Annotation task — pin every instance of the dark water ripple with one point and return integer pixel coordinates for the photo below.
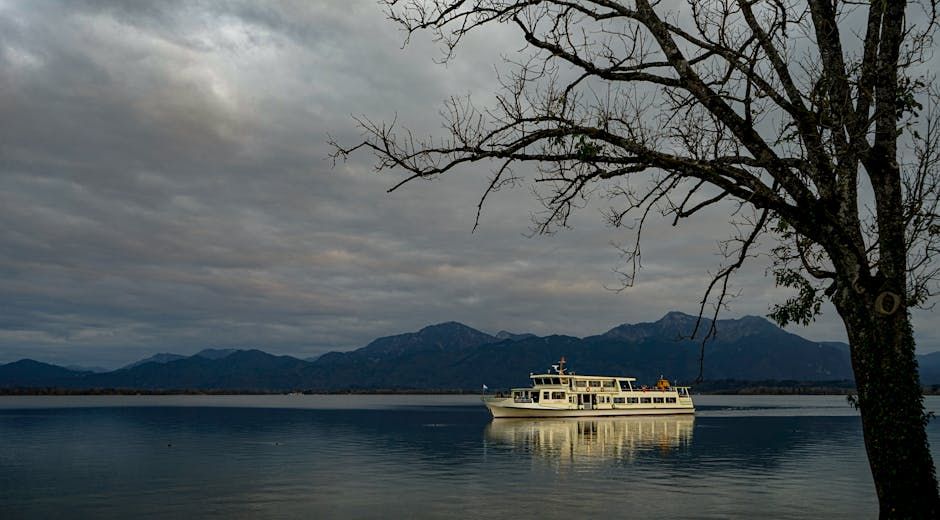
(427, 457)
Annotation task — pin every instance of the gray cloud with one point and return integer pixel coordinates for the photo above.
(164, 186)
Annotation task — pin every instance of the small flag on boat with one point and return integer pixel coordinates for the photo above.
(485, 387)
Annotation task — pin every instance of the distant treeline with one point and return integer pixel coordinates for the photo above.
(195, 391)
(775, 387)
(128, 391)
(718, 387)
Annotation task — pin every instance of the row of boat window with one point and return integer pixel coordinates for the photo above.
(579, 383)
(560, 396)
(635, 400)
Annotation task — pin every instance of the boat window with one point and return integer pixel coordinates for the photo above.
(571, 399)
(564, 380)
(580, 383)
(595, 384)
(608, 384)
(657, 399)
(535, 397)
(633, 400)
(558, 395)
(545, 395)
(624, 385)
(619, 400)
(670, 399)
(646, 400)
(556, 381)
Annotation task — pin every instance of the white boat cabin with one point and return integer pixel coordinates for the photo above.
(586, 392)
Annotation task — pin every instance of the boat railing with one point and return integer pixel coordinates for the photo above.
(522, 399)
(614, 390)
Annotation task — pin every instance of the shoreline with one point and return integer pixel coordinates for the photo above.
(742, 390)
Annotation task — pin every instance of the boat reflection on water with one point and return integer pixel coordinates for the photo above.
(620, 438)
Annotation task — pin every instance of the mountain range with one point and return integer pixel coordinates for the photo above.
(453, 356)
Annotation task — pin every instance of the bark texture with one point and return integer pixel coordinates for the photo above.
(890, 402)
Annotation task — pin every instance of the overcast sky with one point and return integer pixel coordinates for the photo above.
(165, 186)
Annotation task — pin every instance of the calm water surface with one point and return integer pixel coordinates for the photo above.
(427, 457)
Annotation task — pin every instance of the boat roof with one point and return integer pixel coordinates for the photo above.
(580, 376)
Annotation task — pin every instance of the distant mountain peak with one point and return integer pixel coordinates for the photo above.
(29, 372)
(680, 325)
(674, 324)
(27, 362)
(215, 353)
(504, 335)
(758, 320)
(167, 357)
(160, 358)
(449, 335)
(676, 316)
(446, 327)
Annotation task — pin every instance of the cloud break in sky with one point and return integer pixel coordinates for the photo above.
(165, 186)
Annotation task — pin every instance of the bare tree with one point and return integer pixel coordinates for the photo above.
(815, 117)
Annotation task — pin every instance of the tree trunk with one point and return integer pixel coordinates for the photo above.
(890, 400)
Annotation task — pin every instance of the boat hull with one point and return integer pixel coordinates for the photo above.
(506, 408)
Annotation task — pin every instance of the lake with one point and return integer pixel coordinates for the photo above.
(416, 456)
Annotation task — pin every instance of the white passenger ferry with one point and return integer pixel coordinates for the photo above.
(564, 394)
